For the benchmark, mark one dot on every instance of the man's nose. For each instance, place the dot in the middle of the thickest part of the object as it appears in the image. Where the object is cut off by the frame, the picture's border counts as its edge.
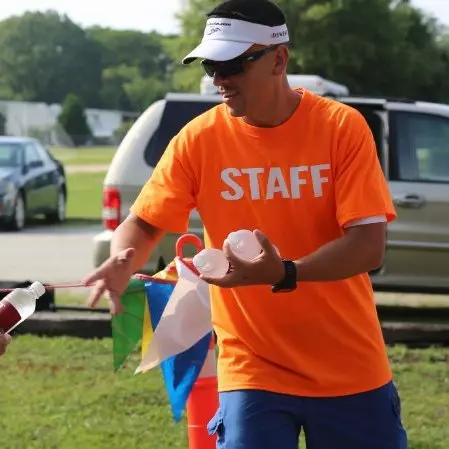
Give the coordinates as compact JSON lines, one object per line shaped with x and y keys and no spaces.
{"x":219,"y":79}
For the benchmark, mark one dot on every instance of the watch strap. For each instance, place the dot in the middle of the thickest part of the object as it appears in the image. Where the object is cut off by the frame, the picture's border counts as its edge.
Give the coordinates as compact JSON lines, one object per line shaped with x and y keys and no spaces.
{"x":289,"y":281}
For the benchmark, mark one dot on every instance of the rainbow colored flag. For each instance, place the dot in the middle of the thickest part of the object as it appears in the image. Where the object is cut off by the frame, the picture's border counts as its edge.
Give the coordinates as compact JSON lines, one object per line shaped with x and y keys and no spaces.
{"x":169,"y":316}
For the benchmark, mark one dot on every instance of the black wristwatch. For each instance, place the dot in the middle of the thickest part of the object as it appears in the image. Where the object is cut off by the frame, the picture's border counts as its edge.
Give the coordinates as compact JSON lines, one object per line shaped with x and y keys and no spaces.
{"x":288,"y":283}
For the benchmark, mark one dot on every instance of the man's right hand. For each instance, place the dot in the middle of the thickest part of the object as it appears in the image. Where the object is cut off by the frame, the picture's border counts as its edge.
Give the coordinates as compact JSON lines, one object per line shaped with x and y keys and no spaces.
{"x":5,"y":339}
{"x":111,"y":278}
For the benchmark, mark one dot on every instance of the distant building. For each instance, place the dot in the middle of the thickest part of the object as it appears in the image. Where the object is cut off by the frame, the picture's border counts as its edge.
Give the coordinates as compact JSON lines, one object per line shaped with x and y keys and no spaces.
{"x":41,"y":120}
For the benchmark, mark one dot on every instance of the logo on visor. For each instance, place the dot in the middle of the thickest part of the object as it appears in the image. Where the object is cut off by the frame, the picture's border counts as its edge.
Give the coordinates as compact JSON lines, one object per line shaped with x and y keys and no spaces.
{"x":279,"y":34}
{"x":213,"y":30}
{"x":226,"y":24}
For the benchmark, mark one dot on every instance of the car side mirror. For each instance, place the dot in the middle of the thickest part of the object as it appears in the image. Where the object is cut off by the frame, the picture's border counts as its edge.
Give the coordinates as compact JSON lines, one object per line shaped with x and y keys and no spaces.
{"x":35,"y":164}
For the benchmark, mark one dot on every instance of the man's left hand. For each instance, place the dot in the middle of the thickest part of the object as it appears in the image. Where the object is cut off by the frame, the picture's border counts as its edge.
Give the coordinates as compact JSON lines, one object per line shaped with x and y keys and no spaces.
{"x":265,"y":269}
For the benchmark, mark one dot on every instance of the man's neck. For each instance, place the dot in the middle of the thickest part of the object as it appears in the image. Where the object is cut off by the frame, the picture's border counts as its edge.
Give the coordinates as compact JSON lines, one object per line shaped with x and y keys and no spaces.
{"x":282,"y":108}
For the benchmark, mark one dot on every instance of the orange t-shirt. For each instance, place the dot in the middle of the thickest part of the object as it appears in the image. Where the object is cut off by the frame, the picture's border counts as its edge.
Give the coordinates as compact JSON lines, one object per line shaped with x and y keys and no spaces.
{"x":299,"y":183}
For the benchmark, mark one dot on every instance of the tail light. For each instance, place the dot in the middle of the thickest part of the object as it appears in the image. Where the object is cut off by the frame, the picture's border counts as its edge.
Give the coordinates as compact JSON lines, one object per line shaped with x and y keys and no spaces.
{"x":111,"y":208}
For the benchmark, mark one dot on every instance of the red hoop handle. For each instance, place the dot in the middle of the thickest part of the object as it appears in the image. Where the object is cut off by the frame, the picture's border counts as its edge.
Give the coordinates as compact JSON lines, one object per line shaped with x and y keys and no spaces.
{"x":186,"y":239}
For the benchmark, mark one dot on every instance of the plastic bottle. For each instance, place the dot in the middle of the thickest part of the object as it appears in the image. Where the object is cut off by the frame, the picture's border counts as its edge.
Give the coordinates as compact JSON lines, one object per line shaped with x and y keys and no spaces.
{"x":19,"y":305}
{"x":245,"y":245}
{"x":211,"y":262}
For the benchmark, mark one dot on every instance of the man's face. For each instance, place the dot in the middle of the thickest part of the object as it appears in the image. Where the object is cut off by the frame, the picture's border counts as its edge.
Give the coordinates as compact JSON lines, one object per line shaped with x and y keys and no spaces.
{"x":247,"y":91}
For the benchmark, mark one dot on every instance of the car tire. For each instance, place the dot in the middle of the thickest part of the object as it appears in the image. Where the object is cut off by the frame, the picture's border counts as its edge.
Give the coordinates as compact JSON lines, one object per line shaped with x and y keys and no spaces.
{"x":18,"y":219}
{"x":59,"y":214}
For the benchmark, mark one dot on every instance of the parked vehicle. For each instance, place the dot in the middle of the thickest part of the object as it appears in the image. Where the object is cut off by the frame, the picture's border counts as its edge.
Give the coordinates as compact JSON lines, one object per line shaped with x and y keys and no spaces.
{"x":413,"y":145}
{"x":32,"y":182}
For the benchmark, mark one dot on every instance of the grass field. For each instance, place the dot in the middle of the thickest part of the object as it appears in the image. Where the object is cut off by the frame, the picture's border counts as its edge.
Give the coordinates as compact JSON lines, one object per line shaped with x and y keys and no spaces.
{"x":62,"y":393}
{"x":85,"y":192}
{"x":76,"y":297}
{"x":84,"y":156}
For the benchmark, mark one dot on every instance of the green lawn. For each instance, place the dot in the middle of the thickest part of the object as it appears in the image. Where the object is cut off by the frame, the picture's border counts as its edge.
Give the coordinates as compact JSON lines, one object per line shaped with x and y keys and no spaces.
{"x":84,"y":156}
{"x":85,"y":191}
{"x":76,"y":297}
{"x":62,"y":393}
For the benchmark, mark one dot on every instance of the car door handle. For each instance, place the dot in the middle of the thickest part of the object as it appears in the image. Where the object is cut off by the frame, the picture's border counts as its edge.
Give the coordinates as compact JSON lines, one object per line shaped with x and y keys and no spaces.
{"x":409,"y":200}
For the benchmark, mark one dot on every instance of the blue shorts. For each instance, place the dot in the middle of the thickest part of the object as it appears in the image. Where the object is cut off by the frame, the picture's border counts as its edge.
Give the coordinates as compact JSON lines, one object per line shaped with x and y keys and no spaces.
{"x":254,"y":419}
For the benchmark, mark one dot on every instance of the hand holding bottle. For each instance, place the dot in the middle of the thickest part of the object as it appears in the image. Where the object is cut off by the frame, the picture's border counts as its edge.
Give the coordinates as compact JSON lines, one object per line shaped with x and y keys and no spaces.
{"x":211,"y":262}
{"x":245,"y":244}
{"x":266,"y":268}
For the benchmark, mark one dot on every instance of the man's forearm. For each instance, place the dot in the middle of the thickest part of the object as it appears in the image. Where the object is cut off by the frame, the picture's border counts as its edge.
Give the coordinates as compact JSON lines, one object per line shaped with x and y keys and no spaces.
{"x":359,"y":251}
{"x":139,"y":235}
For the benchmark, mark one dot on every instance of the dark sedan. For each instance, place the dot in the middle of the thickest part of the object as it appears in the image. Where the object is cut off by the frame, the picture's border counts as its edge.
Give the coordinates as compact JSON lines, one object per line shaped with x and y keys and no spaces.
{"x":32,"y":182}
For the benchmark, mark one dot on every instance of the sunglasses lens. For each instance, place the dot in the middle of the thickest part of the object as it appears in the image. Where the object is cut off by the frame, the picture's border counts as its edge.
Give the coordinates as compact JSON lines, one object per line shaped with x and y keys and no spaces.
{"x":209,"y":69}
{"x":223,"y":69}
{"x":232,"y":68}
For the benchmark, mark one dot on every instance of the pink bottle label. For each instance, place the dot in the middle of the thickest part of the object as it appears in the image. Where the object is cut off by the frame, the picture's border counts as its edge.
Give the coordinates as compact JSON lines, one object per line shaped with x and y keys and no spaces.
{"x":9,"y":316}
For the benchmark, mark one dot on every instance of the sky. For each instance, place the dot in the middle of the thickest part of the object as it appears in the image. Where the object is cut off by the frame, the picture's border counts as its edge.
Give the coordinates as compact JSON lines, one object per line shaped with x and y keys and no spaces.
{"x":144,"y":15}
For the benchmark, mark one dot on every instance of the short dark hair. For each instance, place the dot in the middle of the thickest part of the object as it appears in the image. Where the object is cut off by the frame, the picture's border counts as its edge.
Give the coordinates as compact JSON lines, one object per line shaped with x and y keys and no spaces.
{"x":262,"y":12}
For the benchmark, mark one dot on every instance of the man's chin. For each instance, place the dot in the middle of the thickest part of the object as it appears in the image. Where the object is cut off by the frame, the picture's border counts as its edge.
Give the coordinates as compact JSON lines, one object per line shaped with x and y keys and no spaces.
{"x":235,"y":112}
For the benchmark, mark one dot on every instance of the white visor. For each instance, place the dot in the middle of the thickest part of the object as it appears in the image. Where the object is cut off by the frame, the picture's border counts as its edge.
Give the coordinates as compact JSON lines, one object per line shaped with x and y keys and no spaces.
{"x":226,"y":39}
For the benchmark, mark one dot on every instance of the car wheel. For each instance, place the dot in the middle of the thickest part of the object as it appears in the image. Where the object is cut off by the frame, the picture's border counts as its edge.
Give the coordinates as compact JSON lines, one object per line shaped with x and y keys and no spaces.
{"x":59,"y":214}
{"x":18,"y":218}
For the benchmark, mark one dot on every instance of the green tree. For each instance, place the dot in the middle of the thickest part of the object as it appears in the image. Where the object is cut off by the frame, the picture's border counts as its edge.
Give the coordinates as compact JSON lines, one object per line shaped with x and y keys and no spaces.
{"x":192,"y":19}
{"x":133,"y":49}
{"x":125,"y":88}
{"x":73,"y":119}
{"x":112,"y":92}
{"x":44,"y":55}
{"x":144,"y":91}
{"x":136,"y":67}
{"x":420,"y":65}
{"x":376,"y":47}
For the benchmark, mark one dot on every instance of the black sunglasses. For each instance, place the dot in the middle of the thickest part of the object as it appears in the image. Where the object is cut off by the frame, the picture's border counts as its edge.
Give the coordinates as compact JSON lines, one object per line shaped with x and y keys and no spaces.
{"x":233,"y":66}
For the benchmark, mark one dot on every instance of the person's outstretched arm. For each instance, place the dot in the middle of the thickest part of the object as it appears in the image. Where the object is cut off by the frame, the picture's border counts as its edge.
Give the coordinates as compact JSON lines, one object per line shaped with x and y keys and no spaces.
{"x":5,"y":340}
{"x":131,"y":247}
{"x":163,"y":205}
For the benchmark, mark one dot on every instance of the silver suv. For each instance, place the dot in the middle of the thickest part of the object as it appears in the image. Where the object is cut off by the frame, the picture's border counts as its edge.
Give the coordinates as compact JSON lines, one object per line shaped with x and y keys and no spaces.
{"x":413,"y":146}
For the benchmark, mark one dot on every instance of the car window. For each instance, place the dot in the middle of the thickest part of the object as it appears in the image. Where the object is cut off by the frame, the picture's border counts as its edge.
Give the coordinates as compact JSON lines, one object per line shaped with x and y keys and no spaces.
{"x":421,"y":147}
{"x":31,"y":154}
{"x":176,"y":114}
{"x":42,"y":152}
{"x":10,"y":154}
{"x":374,"y":121}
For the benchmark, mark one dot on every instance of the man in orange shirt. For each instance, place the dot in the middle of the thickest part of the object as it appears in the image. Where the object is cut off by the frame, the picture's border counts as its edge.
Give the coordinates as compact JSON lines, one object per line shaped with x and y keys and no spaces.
{"x":300,"y":345}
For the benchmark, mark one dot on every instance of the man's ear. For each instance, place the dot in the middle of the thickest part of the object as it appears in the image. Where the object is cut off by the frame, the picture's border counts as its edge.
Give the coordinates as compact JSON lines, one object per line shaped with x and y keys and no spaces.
{"x":281,"y":59}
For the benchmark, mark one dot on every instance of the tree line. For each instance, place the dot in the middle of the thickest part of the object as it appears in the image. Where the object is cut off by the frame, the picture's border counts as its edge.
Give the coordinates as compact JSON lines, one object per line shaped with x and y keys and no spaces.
{"x":375,"y":47}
